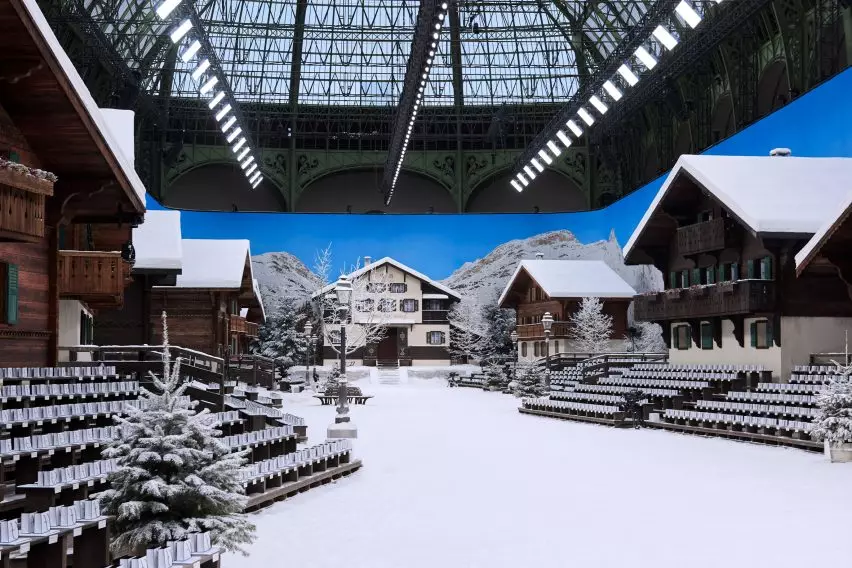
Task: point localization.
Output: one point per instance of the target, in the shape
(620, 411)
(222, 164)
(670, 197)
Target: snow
(435, 297)
(572, 279)
(768, 194)
(804, 256)
(213, 263)
(459, 478)
(82, 92)
(157, 241)
(120, 124)
(400, 266)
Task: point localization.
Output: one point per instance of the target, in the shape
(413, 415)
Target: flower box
(26, 178)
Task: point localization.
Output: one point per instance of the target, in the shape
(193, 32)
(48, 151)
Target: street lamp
(342, 427)
(547, 323)
(632, 331)
(313, 341)
(514, 338)
(308, 329)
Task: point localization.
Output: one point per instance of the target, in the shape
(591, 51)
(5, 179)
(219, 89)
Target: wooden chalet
(215, 302)
(558, 286)
(61, 241)
(725, 232)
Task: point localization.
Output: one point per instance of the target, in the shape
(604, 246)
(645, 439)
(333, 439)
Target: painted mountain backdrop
(282, 274)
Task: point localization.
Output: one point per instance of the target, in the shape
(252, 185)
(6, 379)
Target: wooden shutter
(750, 269)
(676, 337)
(12, 294)
(673, 280)
(416, 305)
(769, 333)
(753, 332)
(684, 278)
(720, 273)
(735, 271)
(766, 268)
(696, 276)
(711, 275)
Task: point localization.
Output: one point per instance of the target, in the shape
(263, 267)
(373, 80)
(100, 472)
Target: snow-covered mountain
(280, 274)
(485, 278)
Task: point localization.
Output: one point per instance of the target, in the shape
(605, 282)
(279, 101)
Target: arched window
(535, 349)
(524, 349)
(556, 347)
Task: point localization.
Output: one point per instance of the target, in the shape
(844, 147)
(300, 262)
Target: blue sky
(818, 124)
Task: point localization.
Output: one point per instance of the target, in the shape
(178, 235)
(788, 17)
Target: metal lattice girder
(730, 17)
(420, 46)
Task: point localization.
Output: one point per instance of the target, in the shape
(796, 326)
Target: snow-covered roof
(804, 256)
(255, 288)
(157, 241)
(769, 194)
(435, 297)
(572, 279)
(243, 312)
(74, 79)
(213, 263)
(388, 260)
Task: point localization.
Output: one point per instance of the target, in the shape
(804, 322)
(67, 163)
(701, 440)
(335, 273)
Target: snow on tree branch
(470, 328)
(834, 421)
(591, 327)
(648, 339)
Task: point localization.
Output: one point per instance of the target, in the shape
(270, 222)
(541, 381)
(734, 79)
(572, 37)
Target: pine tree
(282, 337)
(496, 375)
(834, 421)
(590, 327)
(173, 476)
(649, 338)
(530, 381)
(499, 323)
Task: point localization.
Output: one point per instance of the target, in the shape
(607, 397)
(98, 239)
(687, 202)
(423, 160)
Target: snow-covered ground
(458, 478)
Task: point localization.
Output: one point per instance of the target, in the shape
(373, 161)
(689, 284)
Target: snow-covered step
(389, 376)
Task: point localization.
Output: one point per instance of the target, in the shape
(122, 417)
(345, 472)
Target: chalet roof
(79, 95)
(572, 279)
(770, 195)
(810, 250)
(218, 264)
(407, 269)
(255, 288)
(157, 242)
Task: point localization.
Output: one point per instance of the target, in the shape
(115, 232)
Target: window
(408, 305)
(673, 280)
(524, 349)
(398, 288)
(705, 216)
(387, 305)
(87, 329)
(377, 287)
(365, 305)
(235, 308)
(706, 335)
(334, 336)
(729, 272)
(710, 275)
(761, 334)
(684, 278)
(750, 269)
(433, 305)
(9, 293)
(681, 337)
(535, 349)
(435, 338)
(556, 346)
(766, 268)
(696, 277)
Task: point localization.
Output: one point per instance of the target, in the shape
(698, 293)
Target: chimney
(367, 260)
(781, 152)
(539, 256)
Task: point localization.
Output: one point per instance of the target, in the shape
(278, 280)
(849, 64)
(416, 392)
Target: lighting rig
(621, 71)
(194, 46)
(431, 17)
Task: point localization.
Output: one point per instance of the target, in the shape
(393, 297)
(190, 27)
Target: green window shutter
(14, 157)
(684, 278)
(766, 268)
(711, 275)
(676, 337)
(753, 333)
(673, 280)
(720, 273)
(12, 294)
(735, 271)
(707, 336)
(749, 268)
(696, 276)
(769, 333)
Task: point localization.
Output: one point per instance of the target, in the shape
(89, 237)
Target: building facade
(724, 230)
(559, 286)
(411, 310)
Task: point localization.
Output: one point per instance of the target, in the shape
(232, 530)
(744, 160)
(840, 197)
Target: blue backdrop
(817, 124)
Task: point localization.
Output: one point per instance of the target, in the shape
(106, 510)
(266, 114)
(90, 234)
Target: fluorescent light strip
(646, 58)
(216, 100)
(572, 126)
(250, 170)
(665, 38)
(242, 154)
(523, 180)
(233, 135)
(199, 71)
(688, 14)
(257, 183)
(554, 149)
(255, 177)
(190, 51)
(628, 75)
(529, 172)
(516, 185)
(598, 104)
(245, 164)
(545, 156)
(612, 91)
(208, 85)
(587, 118)
(181, 31)
(223, 112)
(228, 124)
(166, 8)
(537, 165)
(240, 143)
(563, 138)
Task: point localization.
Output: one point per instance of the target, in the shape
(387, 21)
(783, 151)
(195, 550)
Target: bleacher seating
(575, 410)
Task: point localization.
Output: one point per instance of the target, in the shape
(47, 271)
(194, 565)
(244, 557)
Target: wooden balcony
(536, 331)
(713, 235)
(240, 325)
(252, 329)
(436, 316)
(22, 199)
(94, 277)
(727, 298)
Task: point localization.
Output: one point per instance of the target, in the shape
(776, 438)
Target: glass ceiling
(355, 51)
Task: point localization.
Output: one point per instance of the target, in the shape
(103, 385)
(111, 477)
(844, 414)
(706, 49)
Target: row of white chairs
(18, 416)
(770, 397)
(725, 368)
(295, 459)
(218, 418)
(610, 389)
(30, 525)
(56, 440)
(811, 379)
(568, 407)
(176, 553)
(655, 383)
(682, 375)
(815, 369)
(104, 371)
(75, 473)
(590, 397)
(768, 409)
(257, 437)
(740, 420)
(261, 391)
(788, 388)
(59, 390)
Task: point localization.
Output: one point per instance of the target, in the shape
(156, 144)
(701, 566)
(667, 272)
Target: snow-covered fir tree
(648, 339)
(499, 323)
(834, 420)
(530, 381)
(174, 475)
(497, 374)
(468, 329)
(591, 327)
(282, 336)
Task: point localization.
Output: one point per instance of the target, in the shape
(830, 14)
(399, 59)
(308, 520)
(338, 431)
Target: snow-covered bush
(591, 328)
(648, 339)
(174, 476)
(282, 336)
(834, 421)
(498, 376)
(530, 381)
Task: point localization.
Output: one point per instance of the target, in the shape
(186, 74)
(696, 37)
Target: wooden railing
(237, 324)
(94, 277)
(726, 298)
(715, 234)
(435, 316)
(252, 329)
(536, 330)
(21, 214)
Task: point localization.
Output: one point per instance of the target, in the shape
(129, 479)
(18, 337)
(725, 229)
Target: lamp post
(547, 323)
(308, 329)
(342, 427)
(514, 338)
(632, 331)
(313, 341)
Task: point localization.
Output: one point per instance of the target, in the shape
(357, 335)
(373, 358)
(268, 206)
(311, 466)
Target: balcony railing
(21, 214)
(95, 277)
(536, 330)
(239, 324)
(435, 316)
(726, 298)
(707, 236)
(252, 329)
